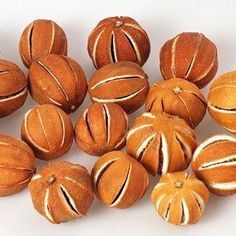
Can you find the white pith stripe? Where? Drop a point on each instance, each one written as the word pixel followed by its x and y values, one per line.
pixel 157 205
pixel 200 200
pixel 186 107
pixel 23 92
pixel 144 144
pixel 196 95
pixel 95 48
pixel 159 185
pixel 173 48
pixel 149 115
pixel 219 163
pixel 54 101
pixel 223 86
pixel 62 90
pixel 28 135
pixel 123 190
pixel 165 156
pixel 187 149
pixel 211 140
pixel 199 39
pixel 108 122
pixel 185 130
pixel 71 201
pixel 37 176
pixel 135 26
pixel 114 47
pixel 63 130
pixel 121 141
pixel 120 77
pixel 206 72
pixel 133 130
pixel 17 184
pixel 53 37
pixel 231 130
pixel 77 183
pixel 222 186
pixel 221 110
pixel 118 99
pixel 42 126
pixel 186 212
pixel 137 52
pixel 98 172
pixel 95 29
pixel 46 210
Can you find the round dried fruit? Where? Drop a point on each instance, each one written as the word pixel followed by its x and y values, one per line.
pixel 58 80
pixel 180 198
pixel 42 37
pixel 119 180
pixel 17 165
pixel 124 83
pixel 161 142
pixel 48 130
pixel 222 101
pixel 13 90
pixel 190 56
pixel 101 128
pixel 214 162
pixel 62 191
pixel 177 97
pixel 118 39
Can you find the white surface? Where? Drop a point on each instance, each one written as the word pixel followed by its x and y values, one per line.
pixel 162 20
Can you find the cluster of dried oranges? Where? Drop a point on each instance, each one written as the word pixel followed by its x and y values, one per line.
pixel 161 141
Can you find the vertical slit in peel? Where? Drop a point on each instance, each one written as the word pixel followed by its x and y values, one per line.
pixel 143 147
pixel 151 105
pixel 162 104
pixel 189 69
pixel 113 49
pixel 167 212
pixel 184 146
pixel 31 41
pixel 107 122
pixel 63 130
pixel 86 119
pixel 122 190
pixel 69 200
pixel 60 87
pixel 184 213
pixel 133 46
pixel 163 155
pixel 46 206
pixel 102 171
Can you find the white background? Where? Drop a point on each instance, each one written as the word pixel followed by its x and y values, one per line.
pixel 162 20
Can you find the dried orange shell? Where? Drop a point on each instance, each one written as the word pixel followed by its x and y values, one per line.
pixel 119 180
pixel 48 130
pixel 17 165
pixel 13 89
pixel 42 37
pixel 62 191
pixel 222 101
pixel 191 56
pixel 161 142
pixel 214 162
pixel 58 80
pixel 124 83
pixel 180 198
pixel 118 39
pixel 177 97
pixel 101 128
